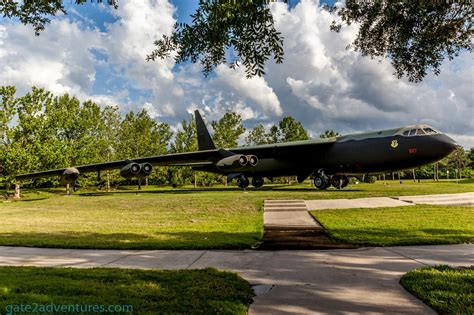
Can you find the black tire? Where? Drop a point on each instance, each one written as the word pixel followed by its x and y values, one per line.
pixel 336 181
pixel 345 181
pixel 257 182
pixel 243 182
pixel 321 182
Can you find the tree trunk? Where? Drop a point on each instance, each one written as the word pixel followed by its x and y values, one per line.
pixel 108 181
pixel 414 177
pixel 17 192
pixel 195 180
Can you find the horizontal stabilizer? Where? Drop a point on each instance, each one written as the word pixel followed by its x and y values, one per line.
pixel 204 138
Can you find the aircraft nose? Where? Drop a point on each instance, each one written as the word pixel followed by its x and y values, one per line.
pixel 446 145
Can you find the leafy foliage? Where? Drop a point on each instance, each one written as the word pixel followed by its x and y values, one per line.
pixel 291 130
pixel 37 13
pixel 329 134
pixel 227 130
pixel 221 27
pixel 415 35
pixel 257 136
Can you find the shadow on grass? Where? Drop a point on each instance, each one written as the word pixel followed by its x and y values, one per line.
pixel 206 190
pixel 157 240
pixel 31 199
pixel 402 237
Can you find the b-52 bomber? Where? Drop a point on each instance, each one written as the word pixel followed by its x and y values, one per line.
pixel 329 161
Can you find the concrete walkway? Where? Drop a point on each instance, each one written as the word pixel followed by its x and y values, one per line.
pixel 461 199
pixel 288 225
pixel 327 282
pixel 287 214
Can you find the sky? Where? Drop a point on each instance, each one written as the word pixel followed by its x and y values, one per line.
pixel 98 53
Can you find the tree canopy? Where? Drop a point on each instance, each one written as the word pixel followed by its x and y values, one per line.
pixel 417 36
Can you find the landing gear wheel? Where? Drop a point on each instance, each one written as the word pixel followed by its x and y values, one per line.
pixel 242 182
pixel 321 181
pixel 336 181
pixel 345 181
pixel 257 182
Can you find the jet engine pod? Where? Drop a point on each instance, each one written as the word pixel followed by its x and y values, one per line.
pixel 253 160
pixel 232 162
pixel 243 160
pixel 69 176
pixel 146 169
pixel 130 170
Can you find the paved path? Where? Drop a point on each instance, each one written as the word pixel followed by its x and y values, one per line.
pixel 361 280
pixel 287 214
pixel 376 202
pixel 288 225
pixel 462 199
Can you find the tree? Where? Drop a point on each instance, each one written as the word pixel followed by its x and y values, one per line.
pixel 140 135
pixel 185 141
pixel 274 134
pixel 219 26
pixel 257 136
pixel 108 139
pixel 415 35
pixel 329 134
pixel 7 149
pixel 471 158
pixel 227 130
pixel 37 12
pixel 291 130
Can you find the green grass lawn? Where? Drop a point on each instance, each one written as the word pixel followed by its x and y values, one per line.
pixel 447 290
pixel 409 225
pixel 166 218
pixel 205 291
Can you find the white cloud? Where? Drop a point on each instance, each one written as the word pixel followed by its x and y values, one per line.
pixel 57 60
pixel 254 89
pixel 328 87
pixel 320 82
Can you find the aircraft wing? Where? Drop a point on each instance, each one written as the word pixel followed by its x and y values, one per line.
pixel 196 158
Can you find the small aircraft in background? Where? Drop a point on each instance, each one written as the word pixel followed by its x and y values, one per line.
pixel 330 161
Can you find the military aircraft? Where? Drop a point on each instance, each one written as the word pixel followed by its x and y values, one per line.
pixel 330 161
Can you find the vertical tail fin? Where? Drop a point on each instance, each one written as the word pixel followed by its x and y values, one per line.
pixel 204 138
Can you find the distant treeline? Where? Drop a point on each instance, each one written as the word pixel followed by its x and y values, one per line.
pixel 41 131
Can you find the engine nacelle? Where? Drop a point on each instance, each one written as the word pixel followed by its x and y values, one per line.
pixel 237 162
pixel 146 169
pixel 131 170
pixel 69 176
pixel 253 160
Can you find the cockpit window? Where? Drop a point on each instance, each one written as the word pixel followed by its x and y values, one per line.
pixel 420 131
pixel 430 131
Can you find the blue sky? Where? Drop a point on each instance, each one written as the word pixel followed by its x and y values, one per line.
pixel 99 53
